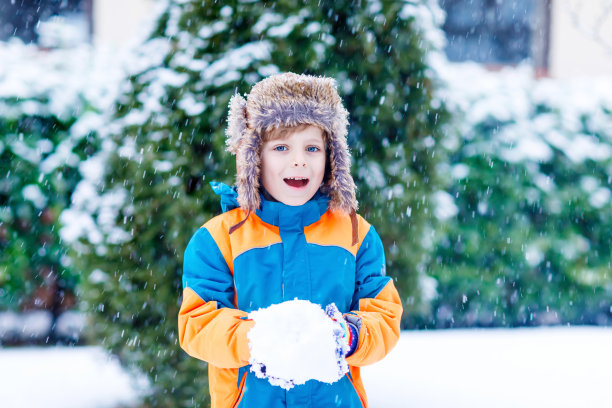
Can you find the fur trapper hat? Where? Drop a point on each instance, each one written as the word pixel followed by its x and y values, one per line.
pixel 287 100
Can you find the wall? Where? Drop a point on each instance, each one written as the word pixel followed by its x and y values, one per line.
pixel 117 23
pixel 580 38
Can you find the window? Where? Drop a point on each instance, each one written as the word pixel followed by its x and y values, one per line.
pixel 23 18
pixel 495 32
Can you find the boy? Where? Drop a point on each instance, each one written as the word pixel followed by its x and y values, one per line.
pixel 289 230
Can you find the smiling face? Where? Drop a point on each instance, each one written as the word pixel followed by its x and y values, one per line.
pixel 293 166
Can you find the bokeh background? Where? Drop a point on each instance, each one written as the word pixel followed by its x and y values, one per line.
pixel 481 133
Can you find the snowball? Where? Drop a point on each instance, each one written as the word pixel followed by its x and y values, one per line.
pixel 293 342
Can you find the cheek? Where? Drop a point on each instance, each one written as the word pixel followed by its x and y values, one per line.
pixel 270 166
pixel 319 167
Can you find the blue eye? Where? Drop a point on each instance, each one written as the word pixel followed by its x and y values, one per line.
pixel 312 149
pixel 280 148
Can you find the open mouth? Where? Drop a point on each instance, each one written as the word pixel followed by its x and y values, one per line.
pixel 296 181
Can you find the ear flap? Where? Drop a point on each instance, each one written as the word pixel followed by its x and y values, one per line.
pixel 236 123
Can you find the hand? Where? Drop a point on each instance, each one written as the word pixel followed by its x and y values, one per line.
pixel 259 369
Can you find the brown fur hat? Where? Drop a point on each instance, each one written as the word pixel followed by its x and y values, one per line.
pixel 289 100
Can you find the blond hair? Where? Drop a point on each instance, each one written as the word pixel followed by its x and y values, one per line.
pixel 282 132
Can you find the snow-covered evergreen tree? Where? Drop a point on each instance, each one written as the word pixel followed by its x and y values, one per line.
pixel 45 100
pixel 527 241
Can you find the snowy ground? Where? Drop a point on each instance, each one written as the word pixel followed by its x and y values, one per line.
pixel 543 367
pixel 526 368
pixel 62 377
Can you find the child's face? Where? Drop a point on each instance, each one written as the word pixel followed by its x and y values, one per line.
pixel 292 168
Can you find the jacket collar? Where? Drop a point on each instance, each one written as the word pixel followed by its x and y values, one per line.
pixel 286 217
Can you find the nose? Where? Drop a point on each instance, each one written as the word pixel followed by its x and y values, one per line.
pixel 299 160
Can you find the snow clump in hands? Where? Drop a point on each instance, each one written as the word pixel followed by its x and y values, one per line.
pixel 296 341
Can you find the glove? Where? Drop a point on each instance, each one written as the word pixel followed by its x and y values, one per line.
pixel 347 332
pixel 259 369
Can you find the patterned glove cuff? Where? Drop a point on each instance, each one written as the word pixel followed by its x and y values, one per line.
pixel 350 325
pixel 353 338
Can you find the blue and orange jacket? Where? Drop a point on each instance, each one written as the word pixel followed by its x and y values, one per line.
pixel 281 253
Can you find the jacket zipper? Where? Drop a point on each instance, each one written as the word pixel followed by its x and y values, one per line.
pixel 240 390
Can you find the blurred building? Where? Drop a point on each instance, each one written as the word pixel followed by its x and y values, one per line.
pixel 50 20
pixel 559 38
pixel 61 23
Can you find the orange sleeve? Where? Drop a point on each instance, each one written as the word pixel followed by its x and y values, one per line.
pixel 380 326
pixel 210 326
pixel 375 302
pixel 215 335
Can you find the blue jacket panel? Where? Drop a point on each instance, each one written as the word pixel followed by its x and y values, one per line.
pixel 283 253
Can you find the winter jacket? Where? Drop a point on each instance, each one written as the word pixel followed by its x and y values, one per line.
pixel 281 253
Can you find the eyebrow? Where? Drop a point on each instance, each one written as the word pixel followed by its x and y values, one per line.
pixel 313 140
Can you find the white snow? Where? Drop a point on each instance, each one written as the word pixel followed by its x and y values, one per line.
pixel 533 255
pixel 372 174
pixel 70 324
pixel 78 221
pixel 163 165
pixel 78 224
pixel 9 325
pixel 428 287
pixel 217 27
pixel 64 377
pixel 34 194
pixel 225 69
pixel 600 197
pixel 64 78
pixel 35 324
pixel 296 342
pixel 286 27
pixel 98 276
pixel 512 96
pixel 445 207
pixel 62 31
pixel 460 171
pixel 191 105
pixel 265 21
pixel 25 152
pixel 558 367
pixel 528 368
